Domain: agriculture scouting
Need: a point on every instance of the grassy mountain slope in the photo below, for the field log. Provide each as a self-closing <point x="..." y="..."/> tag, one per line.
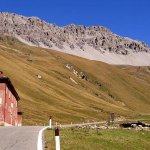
<point x="64" y="95"/>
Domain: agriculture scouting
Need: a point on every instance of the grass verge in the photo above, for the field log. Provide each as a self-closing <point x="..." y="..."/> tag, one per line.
<point x="88" y="139"/>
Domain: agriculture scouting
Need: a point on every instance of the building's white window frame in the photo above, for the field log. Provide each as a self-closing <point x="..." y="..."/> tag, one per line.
<point x="1" y="101"/>
<point x="12" y="105"/>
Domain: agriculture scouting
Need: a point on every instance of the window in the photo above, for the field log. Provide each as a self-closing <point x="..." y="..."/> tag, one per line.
<point x="12" y="105"/>
<point x="1" y="101"/>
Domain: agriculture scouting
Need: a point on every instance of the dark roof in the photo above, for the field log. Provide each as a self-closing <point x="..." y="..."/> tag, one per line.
<point x="4" y="79"/>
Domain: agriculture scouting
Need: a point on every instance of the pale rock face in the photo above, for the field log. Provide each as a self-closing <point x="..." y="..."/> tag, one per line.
<point x="95" y="42"/>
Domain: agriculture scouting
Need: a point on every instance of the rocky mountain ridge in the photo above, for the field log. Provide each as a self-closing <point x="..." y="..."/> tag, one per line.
<point x="95" y="42"/>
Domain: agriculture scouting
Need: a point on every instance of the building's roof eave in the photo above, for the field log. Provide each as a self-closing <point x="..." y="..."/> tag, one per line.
<point x="4" y="79"/>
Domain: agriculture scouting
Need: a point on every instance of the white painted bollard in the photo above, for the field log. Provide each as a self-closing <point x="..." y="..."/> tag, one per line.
<point x="50" y="122"/>
<point x="57" y="139"/>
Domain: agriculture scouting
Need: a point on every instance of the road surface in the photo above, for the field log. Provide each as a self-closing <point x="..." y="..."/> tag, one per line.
<point x="19" y="138"/>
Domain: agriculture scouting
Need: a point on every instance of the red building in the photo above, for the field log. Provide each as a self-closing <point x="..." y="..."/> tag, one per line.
<point x="10" y="115"/>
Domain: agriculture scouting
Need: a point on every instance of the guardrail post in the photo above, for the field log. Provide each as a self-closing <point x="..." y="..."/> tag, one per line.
<point x="57" y="139"/>
<point x="50" y="122"/>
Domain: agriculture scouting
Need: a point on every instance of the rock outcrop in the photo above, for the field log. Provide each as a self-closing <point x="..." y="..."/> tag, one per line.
<point x="90" y="42"/>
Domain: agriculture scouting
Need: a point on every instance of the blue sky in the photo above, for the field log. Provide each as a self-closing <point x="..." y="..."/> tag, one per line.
<point x="130" y="18"/>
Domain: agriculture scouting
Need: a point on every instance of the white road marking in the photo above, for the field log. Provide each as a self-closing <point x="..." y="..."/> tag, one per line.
<point x="40" y="139"/>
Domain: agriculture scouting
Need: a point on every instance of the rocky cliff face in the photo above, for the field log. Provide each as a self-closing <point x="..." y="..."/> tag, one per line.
<point x="89" y="42"/>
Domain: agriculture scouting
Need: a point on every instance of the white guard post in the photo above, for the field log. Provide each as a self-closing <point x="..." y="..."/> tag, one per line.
<point x="57" y="139"/>
<point x="50" y="122"/>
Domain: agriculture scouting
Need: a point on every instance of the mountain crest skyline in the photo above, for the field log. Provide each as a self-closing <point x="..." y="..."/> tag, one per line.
<point x="94" y="42"/>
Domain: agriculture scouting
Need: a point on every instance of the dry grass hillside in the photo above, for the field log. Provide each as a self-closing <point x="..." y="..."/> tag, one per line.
<point x="69" y="88"/>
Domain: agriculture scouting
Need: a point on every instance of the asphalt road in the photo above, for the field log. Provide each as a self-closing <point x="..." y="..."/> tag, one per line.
<point x="19" y="138"/>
